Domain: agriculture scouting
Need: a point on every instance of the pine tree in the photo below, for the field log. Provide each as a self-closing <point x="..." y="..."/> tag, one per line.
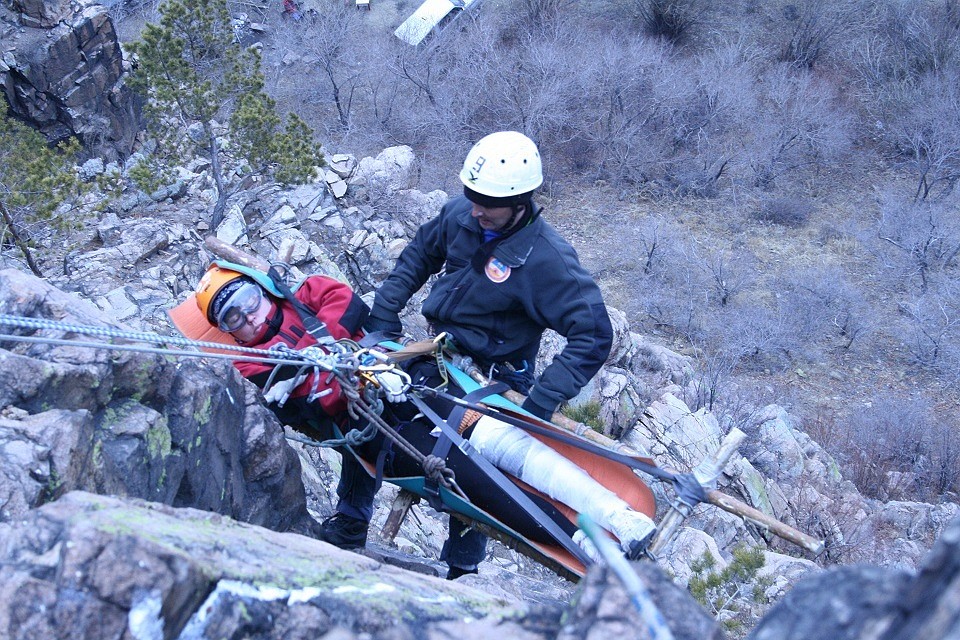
<point x="194" y="75"/>
<point x="35" y="180"/>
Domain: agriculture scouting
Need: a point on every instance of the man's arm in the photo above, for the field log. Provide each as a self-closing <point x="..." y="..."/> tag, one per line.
<point x="419" y="260"/>
<point x="568" y="301"/>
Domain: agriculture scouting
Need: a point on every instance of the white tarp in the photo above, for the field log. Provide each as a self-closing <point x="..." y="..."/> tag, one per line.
<point x="418" y="26"/>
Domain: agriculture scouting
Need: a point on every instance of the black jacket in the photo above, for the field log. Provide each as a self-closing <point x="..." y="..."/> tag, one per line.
<point x="497" y="307"/>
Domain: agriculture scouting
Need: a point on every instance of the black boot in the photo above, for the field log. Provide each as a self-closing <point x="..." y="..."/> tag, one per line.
<point x="345" y="532"/>
<point x="456" y="572"/>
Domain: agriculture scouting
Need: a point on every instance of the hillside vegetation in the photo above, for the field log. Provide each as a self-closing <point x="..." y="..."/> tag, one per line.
<point x="767" y="185"/>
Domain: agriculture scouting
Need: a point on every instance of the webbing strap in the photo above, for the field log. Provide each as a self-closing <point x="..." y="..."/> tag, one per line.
<point x="442" y="448"/>
<point x="513" y="491"/>
<point x="314" y="326"/>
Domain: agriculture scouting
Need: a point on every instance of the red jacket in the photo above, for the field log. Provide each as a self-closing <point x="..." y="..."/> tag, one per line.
<point x="336" y="305"/>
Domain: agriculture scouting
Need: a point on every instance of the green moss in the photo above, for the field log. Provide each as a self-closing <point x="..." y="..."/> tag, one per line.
<point x="54" y="482"/>
<point x="202" y="415"/>
<point x="98" y="453"/>
<point x="158" y="439"/>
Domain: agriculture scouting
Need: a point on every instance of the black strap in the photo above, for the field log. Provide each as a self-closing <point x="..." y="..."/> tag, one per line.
<point x="376" y="337"/>
<point x="314" y="326"/>
<point x="442" y="448"/>
<point x="516" y="494"/>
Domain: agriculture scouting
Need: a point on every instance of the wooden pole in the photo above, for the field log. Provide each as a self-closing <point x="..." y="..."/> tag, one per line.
<point x="398" y="511"/>
<point x="229" y="252"/>
<point x="707" y="473"/>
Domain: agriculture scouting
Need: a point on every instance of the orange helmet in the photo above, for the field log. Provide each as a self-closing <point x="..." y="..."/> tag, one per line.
<point x="212" y="283"/>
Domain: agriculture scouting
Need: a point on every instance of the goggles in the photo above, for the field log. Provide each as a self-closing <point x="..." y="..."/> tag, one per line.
<point x="239" y="305"/>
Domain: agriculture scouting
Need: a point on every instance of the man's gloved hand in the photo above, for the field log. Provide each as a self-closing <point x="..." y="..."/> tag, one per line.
<point x="393" y="384"/>
<point x="541" y="412"/>
<point x="519" y="380"/>
<point x="384" y="321"/>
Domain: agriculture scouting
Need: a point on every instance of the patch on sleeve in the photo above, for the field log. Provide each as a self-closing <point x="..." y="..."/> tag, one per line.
<point x="496" y="270"/>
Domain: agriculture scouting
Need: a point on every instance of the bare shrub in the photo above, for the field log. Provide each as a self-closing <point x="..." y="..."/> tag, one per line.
<point x="911" y="85"/>
<point x="822" y="305"/>
<point x="326" y="46"/>
<point x="817" y="25"/>
<point x="540" y="14"/>
<point x="919" y="239"/>
<point x="899" y="449"/>
<point x="671" y="20"/>
<point x="933" y="332"/>
<point x="787" y="212"/>
<point x="804" y="126"/>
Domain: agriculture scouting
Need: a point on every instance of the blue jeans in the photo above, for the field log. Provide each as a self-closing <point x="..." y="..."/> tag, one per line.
<point x="464" y="547"/>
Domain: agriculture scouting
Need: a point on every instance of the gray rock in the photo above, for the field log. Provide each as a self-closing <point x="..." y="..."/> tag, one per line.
<point x="603" y="609"/>
<point x="123" y="565"/>
<point x="187" y="433"/>
<point x="392" y="170"/>
<point x="843" y="603"/>
<point x="65" y="75"/>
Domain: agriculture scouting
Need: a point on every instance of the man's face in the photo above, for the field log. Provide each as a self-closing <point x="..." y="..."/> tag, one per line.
<point x="255" y="326"/>
<point x="493" y="218"/>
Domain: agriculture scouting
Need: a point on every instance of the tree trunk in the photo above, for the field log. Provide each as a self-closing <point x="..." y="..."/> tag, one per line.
<point x="21" y="243"/>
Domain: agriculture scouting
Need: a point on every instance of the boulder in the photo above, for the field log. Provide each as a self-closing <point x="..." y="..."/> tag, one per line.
<point x="392" y="170"/>
<point x="866" y="602"/>
<point x="683" y="438"/>
<point x="604" y="609"/>
<point x="104" y="567"/>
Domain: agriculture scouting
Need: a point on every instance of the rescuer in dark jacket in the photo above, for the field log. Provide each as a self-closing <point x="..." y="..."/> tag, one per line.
<point x="506" y="277"/>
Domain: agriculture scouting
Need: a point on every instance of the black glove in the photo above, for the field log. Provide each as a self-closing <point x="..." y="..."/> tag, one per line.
<point x="520" y="381"/>
<point x="541" y="412"/>
<point x="386" y="323"/>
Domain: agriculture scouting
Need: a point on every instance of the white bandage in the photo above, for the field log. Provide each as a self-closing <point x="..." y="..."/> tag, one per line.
<point x="516" y="452"/>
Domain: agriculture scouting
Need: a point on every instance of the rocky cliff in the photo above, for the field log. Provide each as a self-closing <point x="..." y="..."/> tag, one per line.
<point x="62" y="69"/>
<point x="158" y="497"/>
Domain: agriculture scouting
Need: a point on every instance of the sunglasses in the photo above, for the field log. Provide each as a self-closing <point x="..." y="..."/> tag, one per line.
<point x="243" y="302"/>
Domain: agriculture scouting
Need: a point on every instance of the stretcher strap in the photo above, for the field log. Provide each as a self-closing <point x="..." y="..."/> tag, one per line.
<point x="513" y="491"/>
<point x="553" y="434"/>
<point x="442" y="448"/>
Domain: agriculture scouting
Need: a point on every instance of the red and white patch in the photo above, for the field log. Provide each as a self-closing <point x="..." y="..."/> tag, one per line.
<point x="496" y="270"/>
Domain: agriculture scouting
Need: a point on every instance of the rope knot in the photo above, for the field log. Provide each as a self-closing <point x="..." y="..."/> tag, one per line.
<point x="436" y="469"/>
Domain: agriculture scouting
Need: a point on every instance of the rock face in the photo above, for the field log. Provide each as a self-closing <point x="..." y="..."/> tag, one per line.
<point x="123" y="423"/>
<point x="104" y="567"/>
<point x="869" y="603"/>
<point x="603" y="609"/>
<point x="62" y="72"/>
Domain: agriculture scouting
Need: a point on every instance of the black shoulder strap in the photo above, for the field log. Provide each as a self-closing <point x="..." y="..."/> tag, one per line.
<point x="314" y="326"/>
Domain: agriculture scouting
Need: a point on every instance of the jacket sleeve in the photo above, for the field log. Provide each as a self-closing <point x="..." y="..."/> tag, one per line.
<point x="421" y="258"/>
<point x="569" y="302"/>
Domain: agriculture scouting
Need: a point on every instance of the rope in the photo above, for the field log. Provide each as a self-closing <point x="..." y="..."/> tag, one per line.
<point x="339" y="360"/>
<point x="244" y="354"/>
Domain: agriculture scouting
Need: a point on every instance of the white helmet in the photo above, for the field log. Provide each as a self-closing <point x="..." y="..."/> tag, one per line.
<point x="505" y="164"/>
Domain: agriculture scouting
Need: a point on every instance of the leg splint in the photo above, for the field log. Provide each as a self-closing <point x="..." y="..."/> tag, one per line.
<point x="516" y="452"/>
